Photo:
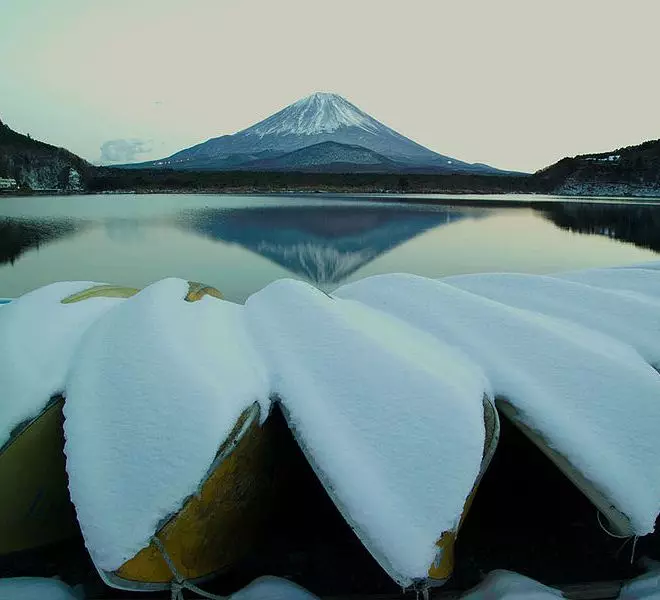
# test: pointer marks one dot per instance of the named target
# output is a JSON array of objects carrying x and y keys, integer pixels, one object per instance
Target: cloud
[{"x": 124, "y": 151}]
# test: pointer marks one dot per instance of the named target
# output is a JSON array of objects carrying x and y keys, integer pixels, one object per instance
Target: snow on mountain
[
  {"x": 316, "y": 119},
  {"x": 319, "y": 113}
]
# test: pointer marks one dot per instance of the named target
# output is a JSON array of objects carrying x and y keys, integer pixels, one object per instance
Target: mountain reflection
[
  {"x": 19, "y": 236},
  {"x": 637, "y": 224},
  {"x": 324, "y": 244}
]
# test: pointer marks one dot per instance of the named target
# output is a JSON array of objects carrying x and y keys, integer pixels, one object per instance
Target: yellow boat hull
[
  {"x": 443, "y": 566},
  {"x": 220, "y": 524},
  {"x": 35, "y": 509}
]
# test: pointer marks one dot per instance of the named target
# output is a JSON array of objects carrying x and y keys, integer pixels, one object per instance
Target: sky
[{"x": 516, "y": 84}]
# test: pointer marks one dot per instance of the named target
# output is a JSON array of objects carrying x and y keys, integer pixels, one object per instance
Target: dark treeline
[
  {"x": 17, "y": 236},
  {"x": 639, "y": 225},
  {"x": 104, "y": 179}
]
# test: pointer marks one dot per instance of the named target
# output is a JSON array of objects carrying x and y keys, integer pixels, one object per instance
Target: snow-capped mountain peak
[
  {"x": 321, "y": 112},
  {"x": 308, "y": 125}
]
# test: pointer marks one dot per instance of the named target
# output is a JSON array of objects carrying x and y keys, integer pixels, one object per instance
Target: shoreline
[{"x": 479, "y": 198}]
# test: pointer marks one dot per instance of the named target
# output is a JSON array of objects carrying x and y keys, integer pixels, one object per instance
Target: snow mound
[
  {"x": 506, "y": 585},
  {"x": 644, "y": 587},
  {"x": 36, "y": 588},
  {"x": 592, "y": 398},
  {"x": 157, "y": 384},
  {"x": 633, "y": 319},
  {"x": 272, "y": 588},
  {"x": 390, "y": 418},
  {"x": 38, "y": 336}
]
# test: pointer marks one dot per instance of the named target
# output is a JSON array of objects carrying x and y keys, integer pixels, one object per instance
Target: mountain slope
[
  {"x": 39, "y": 166},
  {"x": 316, "y": 119},
  {"x": 326, "y": 157},
  {"x": 630, "y": 171}
]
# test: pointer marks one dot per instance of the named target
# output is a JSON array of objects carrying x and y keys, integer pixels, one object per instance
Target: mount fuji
[{"x": 323, "y": 133}]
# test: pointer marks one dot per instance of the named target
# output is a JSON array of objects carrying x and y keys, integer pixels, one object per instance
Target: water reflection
[
  {"x": 19, "y": 236},
  {"x": 324, "y": 244},
  {"x": 242, "y": 244},
  {"x": 637, "y": 224}
]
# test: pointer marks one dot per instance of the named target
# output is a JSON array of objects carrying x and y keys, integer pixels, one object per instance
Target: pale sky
[{"x": 516, "y": 84}]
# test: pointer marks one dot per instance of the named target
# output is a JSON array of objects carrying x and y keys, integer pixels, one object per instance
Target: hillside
[
  {"x": 329, "y": 157},
  {"x": 630, "y": 171},
  {"x": 39, "y": 166}
]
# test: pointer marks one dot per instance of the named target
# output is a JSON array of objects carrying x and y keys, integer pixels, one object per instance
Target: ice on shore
[
  {"x": 644, "y": 587},
  {"x": 507, "y": 585},
  {"x": 36, "y": 588},
  {"x": 272, "y": 588},
  {"x": 38, "y": 336}
]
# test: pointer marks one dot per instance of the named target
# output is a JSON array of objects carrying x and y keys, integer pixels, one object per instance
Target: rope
[
  {"x": 607, "y": 531},
  {"x": 180, "y": 583},
  {"x": 632, "y": 556},
  {"x": 620, "y": 537}
]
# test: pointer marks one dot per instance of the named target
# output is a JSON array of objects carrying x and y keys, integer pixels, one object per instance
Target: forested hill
[
  {"x": 39, "y": 166},
  {"x": 630, "y": 171}
]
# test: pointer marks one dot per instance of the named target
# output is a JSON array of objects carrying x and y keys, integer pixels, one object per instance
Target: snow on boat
[
  {"x": 390, "y": 419},
  {"x": 216, "y": 526},
  {"x": 38, "y": 334},
  {"x": 443, "y": 565},
  {"x": 385, "y": 385},
  {"x": 173, "y": 425},
  {"x": 588, "y": 400}
]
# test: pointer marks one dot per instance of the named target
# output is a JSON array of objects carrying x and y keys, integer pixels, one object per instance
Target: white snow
[
  {"x": 644, "y": 587},
  {"x": 319, "y": 113},
  {"x": 593, "y": 398},
  {"x": 379, "y": 407},
  {"x": 158, "y": 383},
  {"x": 36, "y": 588},
  {"x": 272, "y": 588},
  {"x": 634, "y": 319},
  {"x": 38, "y": 336},
  {"x": 506, "y": 585},
  {"x": 156, "y": 386},
  {"x": 630, "y": 281},
  {"x": 382, "y": 384}
]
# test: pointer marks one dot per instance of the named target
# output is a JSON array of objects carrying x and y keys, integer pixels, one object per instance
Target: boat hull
[
  {"x": 35, "y": 509},
  {"x": 220, "y": 524}
]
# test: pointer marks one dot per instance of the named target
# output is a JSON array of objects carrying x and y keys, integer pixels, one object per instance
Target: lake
[{"x": 241, "y": 243}]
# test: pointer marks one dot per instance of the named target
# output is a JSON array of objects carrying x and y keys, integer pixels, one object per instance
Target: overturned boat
[
  {"x": 39, "y": 332},
  {"x": 218, "y": 525},
  {"x": 183, "y": 402}
]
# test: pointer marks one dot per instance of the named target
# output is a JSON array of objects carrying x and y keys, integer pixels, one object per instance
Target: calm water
[{"x": 240, "y": 243}]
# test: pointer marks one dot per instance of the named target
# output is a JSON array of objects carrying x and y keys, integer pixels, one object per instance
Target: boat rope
[
  {"x": 632, "y": 556},
  {"x": 607, "y": 531},
  {"x": 620, "y": 537},
  {"x": 180, "y": 583}
]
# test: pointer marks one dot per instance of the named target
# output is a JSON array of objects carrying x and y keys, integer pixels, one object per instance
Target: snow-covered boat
[
  {"x": 218, "y": 525},
  {"x": 175, "y": 377},
  {"x": 617, "y": 520},
  {"x": 35, "y": 509},
  {"x": 443, "y": 566}
]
